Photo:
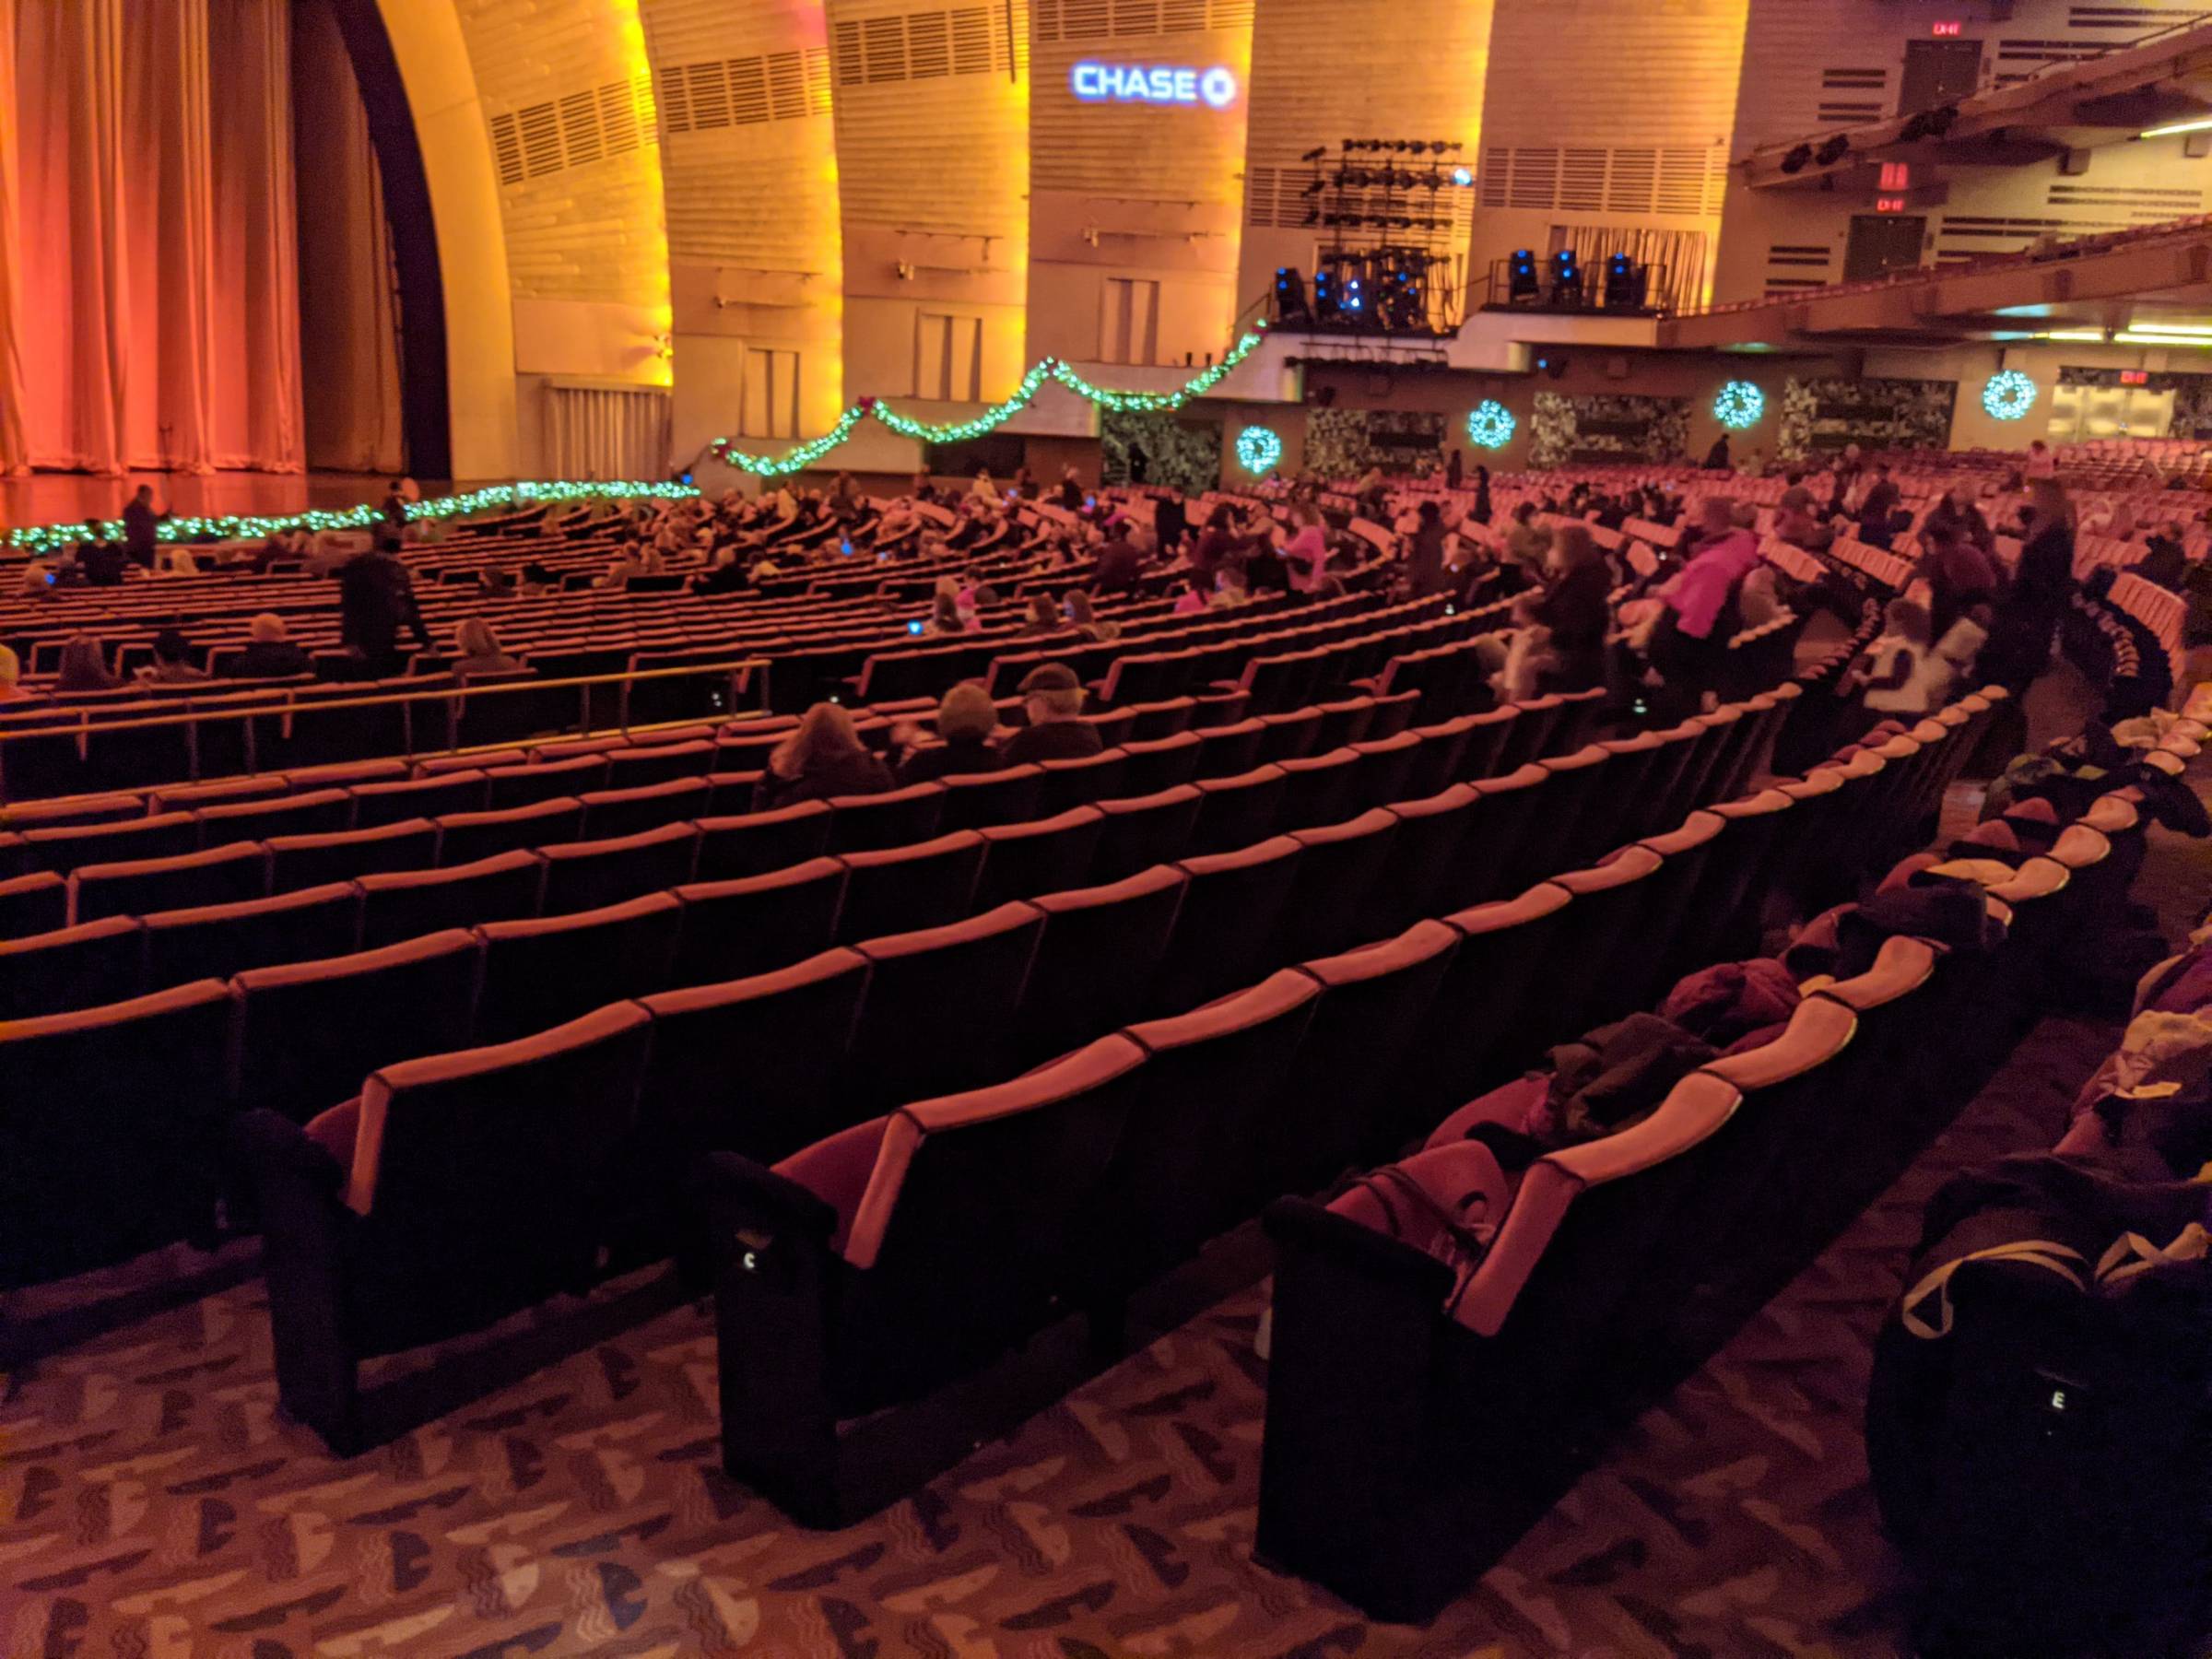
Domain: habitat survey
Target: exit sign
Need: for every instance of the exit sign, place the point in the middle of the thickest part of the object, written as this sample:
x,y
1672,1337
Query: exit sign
x,y
2134,377
1889,204
1943,29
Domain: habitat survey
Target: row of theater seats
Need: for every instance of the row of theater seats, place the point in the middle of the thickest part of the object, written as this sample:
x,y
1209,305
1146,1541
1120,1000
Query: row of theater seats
x,y
343,1191
1413,1410
915,850
859,1273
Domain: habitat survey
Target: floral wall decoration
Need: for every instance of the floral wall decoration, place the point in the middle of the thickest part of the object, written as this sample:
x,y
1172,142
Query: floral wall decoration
x,y
1614,426
1819,416
1158,446
1342,443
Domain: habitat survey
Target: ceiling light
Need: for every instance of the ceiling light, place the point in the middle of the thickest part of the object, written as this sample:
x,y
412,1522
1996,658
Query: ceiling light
x,y
2192,330
2201,124
2167,340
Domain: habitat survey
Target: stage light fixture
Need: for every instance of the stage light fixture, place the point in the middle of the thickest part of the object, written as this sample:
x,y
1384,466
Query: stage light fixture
x,y
1463,176
1521,276
1833,151
1796,158
1326,304
1566,278
1290,296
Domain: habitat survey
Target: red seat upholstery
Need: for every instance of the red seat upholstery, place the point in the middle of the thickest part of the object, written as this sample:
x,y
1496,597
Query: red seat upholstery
x,y
1232,907
1319,788
297,860
586,874
902,888
1094,965
216,941
1079,782
219,876
314,811
1042,855
1143,831
537,973
1330,906
67,846
939,1014
609,812
755,843
896,818
32,904
1237,811
308,1033
974,800
1473,1034
1487,736
82,967
1288,736
1225,751
1385,770
522,785
1337,723
403,903
1148,767
754,924
644,763
404,799
111,1131
466,837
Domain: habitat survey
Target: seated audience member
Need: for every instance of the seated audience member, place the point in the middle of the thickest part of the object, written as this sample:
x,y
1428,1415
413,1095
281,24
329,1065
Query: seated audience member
x,y
1955,511
1573,607
38,580
84,666
945,615
966,718
1900,673
2164,561
172,664
1084,619
538,579
1044,617
1197,592
1232,588
476,650
727,575
1700,613
823,756
1795,522
1071,490
1121,562
1052,696
11,679
270,653
100,563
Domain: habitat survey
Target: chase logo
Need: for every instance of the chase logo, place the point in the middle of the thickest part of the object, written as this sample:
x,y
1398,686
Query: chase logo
x,y
1153,84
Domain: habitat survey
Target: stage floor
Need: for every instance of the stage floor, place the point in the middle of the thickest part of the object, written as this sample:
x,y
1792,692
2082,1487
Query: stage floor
x,y
66,498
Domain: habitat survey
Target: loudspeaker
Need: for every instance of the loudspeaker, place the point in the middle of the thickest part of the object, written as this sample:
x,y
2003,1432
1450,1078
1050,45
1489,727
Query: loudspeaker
x,y
2074,163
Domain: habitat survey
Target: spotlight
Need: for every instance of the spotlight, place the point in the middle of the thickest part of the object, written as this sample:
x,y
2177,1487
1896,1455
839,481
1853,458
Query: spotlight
x,y
1325,302
1621,287
1795,158
1833,151
1566,279
1290,296
1521,276
1355,296
1463,176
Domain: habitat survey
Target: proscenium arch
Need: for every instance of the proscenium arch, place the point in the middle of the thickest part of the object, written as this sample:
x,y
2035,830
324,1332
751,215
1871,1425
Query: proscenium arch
x,y
441,190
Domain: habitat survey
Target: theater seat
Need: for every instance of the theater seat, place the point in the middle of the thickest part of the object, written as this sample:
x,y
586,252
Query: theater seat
x,y
216,941
299,861
316,812
1427,874
110,1129
82,967
308,1033
1319,789
939,1014
408,798
1385,765
525,785
1094,965
1237,811
586,874
899,889
754,924
219,875
1148,767
897,819
1330,904
644,763
755,843
609,812
403,903
750,1066
894,1271
1232,908
1374,1002
1139,831
1225,751
459,1189
1487,734
466,837
1079,782
974,800
164,835
1042,855
34,903
535,973
1472,1037
1288,737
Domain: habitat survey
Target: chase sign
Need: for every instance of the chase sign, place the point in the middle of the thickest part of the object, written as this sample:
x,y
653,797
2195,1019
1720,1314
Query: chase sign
x,y
1153,84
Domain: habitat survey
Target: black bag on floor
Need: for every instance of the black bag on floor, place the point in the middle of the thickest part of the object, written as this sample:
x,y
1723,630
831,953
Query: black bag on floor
x,y
2040,1418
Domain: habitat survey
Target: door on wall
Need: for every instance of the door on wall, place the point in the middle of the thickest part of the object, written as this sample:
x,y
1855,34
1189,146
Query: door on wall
x,y
1938,72
770,392
1129,320
1882,242
948,357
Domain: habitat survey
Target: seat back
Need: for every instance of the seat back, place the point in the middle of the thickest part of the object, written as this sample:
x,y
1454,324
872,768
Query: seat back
x,y
219,876
896,819
1093,967
164,835
1230,911
1079,782
309,1032
939,1014
403,903
35,903
1375,1003
214,941
901,889
610,812
750,1065
1472,1036
755,842
1287,736
316,811
541,971
111,1132
1143,831
1329,908
586,874
1042,855
755,923
301,861
975,799
544,781
1319,790
1384,771
81,967
403,799
1236,811
1159,764
466,837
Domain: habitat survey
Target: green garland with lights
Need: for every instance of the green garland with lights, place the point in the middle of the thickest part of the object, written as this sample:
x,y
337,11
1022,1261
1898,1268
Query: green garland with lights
x,y
959,432
46,538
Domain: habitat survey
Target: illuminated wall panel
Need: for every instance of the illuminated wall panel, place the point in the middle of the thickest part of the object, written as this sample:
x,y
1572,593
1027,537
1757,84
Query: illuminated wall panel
x,y
1137,183
1327,70
931,116
749,166
1606,112
567,97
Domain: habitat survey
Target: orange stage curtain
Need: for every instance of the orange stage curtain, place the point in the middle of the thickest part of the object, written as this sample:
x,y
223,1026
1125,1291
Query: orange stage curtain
x,y
149,236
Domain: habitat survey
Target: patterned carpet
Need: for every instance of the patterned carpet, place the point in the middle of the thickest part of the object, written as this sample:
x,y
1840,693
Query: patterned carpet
x,y
153,1506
